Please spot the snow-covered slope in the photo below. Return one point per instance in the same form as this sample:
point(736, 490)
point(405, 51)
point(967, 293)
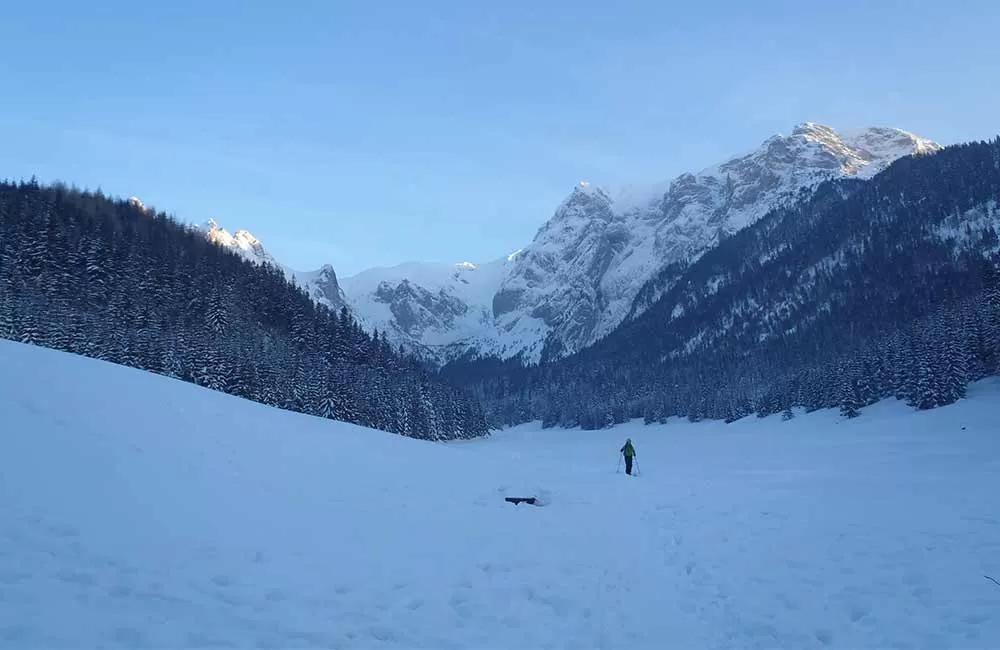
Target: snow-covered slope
point(321, 284)
point(581, 275)
point(140, 511)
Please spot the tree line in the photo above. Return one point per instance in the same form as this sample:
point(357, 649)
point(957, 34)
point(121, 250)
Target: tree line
point(109, 279)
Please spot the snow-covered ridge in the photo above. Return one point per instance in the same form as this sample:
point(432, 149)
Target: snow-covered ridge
point(321, 284)
point(242, 242)
point(582, 274)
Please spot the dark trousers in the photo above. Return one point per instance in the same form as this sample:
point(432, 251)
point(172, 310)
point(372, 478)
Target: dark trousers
point(628, 465)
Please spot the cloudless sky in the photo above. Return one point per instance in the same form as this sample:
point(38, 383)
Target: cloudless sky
point(369, 133)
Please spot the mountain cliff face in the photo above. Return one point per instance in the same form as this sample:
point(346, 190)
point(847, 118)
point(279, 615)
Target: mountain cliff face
point(605, 255)
point(322, 285)
point(585, 268)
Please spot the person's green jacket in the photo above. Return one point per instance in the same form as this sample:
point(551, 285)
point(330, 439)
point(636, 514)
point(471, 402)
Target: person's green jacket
point(628, 449)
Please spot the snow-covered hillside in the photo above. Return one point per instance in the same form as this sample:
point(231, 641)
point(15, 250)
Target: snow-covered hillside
point(139, 511)
point(584, 272)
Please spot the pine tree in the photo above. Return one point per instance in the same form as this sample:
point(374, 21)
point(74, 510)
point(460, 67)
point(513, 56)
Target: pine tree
point(327, 408)
point(848, 394)
point(6, 314)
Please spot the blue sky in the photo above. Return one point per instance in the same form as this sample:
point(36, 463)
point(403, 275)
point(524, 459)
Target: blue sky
point(366, 134)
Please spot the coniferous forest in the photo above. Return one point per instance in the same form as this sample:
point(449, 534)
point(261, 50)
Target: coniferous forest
point(107, 279)
point(860, 291)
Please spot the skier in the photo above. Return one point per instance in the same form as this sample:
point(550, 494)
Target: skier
point(629, 452)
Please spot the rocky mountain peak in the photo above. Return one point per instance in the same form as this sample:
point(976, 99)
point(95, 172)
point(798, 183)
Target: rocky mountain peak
point(586, 266)
point(592, 264)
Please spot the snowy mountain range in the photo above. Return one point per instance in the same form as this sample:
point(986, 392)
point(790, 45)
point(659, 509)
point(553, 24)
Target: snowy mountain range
point(590, 266)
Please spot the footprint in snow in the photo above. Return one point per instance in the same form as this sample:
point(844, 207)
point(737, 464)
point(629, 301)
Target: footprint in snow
point(383, 633)
point(458, 602)
point(490, 568)
point(129, 637)
point(31, 518)
point(77, 578)
point(222, 580)
point(13, 633)
point(975, 619)
point(62, 530)
point(14, 577)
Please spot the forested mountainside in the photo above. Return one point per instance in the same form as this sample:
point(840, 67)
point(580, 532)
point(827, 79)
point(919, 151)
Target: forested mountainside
point(112, 280)
point(863, 290)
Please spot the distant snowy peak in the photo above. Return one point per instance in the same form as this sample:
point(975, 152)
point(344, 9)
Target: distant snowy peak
point(587, 264)
point(865, 152)
point(321, 285)
point(745, 188)
point(811, 153)
point(586, 188)
point(242, 242)
point(438, 311)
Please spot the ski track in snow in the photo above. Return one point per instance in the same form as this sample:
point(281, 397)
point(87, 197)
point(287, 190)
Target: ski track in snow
point(143, 512)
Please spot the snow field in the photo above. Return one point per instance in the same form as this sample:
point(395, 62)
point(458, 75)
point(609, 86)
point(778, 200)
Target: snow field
point(138, 511)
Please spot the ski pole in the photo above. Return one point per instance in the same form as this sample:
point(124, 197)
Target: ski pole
point(618, 469)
